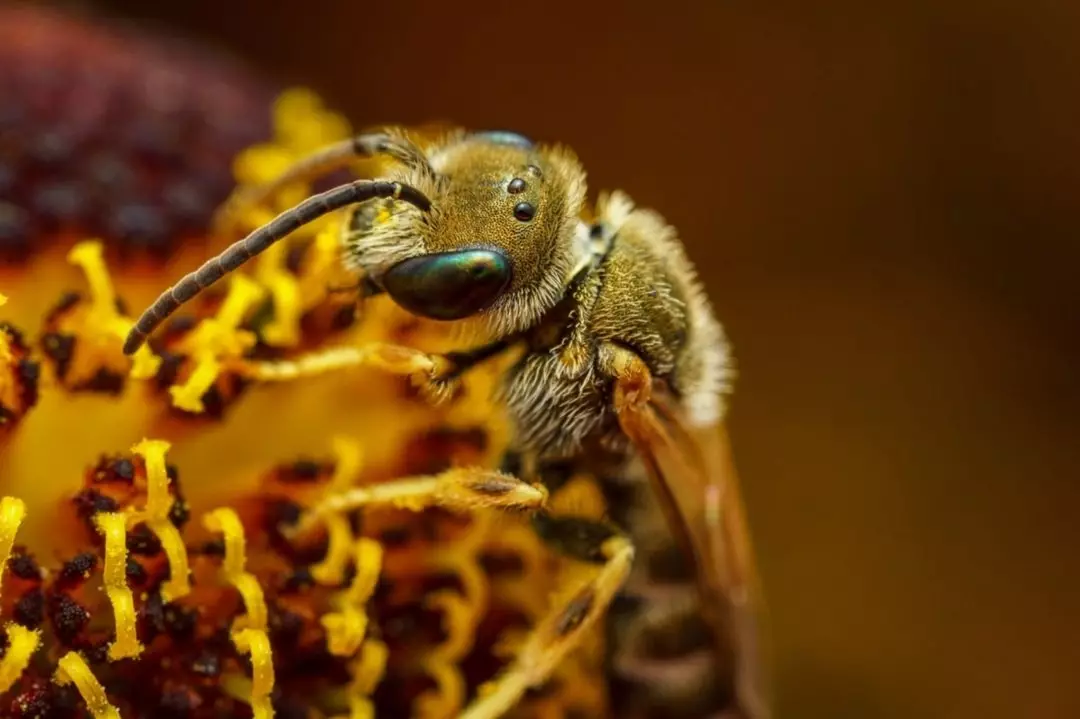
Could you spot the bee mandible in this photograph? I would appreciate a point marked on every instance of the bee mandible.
(623, 368)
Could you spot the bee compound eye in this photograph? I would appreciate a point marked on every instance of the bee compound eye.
(449, 285)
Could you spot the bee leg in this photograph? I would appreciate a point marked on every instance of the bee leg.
(574, 613)
(437, 376)
(459, 489)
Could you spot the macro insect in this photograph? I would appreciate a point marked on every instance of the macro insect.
(624, 369)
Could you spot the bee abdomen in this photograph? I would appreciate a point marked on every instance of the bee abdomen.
(664, 660)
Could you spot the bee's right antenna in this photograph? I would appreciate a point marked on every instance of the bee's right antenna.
(319, 163)
(243, 250)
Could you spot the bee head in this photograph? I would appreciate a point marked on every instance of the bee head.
(499, 243)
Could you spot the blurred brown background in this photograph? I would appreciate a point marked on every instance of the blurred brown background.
(882, 200)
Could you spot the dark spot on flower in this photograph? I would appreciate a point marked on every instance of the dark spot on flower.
(169, 370)
(501, 563)
(61, 205)
(124, 470)
(179, 513)
(89, 502)
(143, 542)
(77, 569)
(344, 317)
(302, 470)
(135, 572)
(179, 622)
(29, 374)
(178, 703)
(68, 618)
(396, 536)
(30, 609)
(59, 348)
(283, 513)
(206, 664)
(16, 229)
(213, 548)
(105, 381)
(23, 565)
(284, 626)
(298, 580)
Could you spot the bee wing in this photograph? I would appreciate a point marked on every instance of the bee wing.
(694, 476)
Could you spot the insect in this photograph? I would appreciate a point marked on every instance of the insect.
(623, 369)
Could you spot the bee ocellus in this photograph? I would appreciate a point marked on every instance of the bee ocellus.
(622, 370)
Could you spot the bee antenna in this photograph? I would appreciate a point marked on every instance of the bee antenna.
(243, 250)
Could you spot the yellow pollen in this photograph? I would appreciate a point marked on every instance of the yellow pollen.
(226, 522)
(216, 339)
(73, 669)
(104, 324)
(113, 526)
(156, 516)
(12, 512)
(22, 643)
(257, 644)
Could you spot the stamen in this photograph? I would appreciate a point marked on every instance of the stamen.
(367, 671)
(217, 339)
(226, 522)
(255, 643)
(12, 512)
(21, 645)
(284, 329)
(347, 627)
(156, 517)
(127, 644)
(104, 321)
(73, 669)
(331, 570)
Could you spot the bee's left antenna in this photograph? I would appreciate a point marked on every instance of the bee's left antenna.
(243, 250)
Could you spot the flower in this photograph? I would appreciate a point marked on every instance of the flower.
(190, 532)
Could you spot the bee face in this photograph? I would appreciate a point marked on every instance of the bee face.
(499, 242)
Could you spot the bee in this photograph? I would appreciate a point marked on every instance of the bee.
(623, 369)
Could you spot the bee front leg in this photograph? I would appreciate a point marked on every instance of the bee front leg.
(573, 614)
(437, 376)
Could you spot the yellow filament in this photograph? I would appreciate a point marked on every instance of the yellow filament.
(367, 671)
(331, 570)
(22, 643)
(158, 499)
(369, 668)
(226, 522)
(179, 582)
(446, 698)
(188, 396)
(348, 460)
(458, 619)
(257, 644)
(216, 338)
(73, 669)
(346, 629)
(284, 329)
(12, 512)
(104, 320)
(156, 516)
(127, 644)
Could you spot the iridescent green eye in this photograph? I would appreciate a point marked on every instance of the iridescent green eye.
(449, 285)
